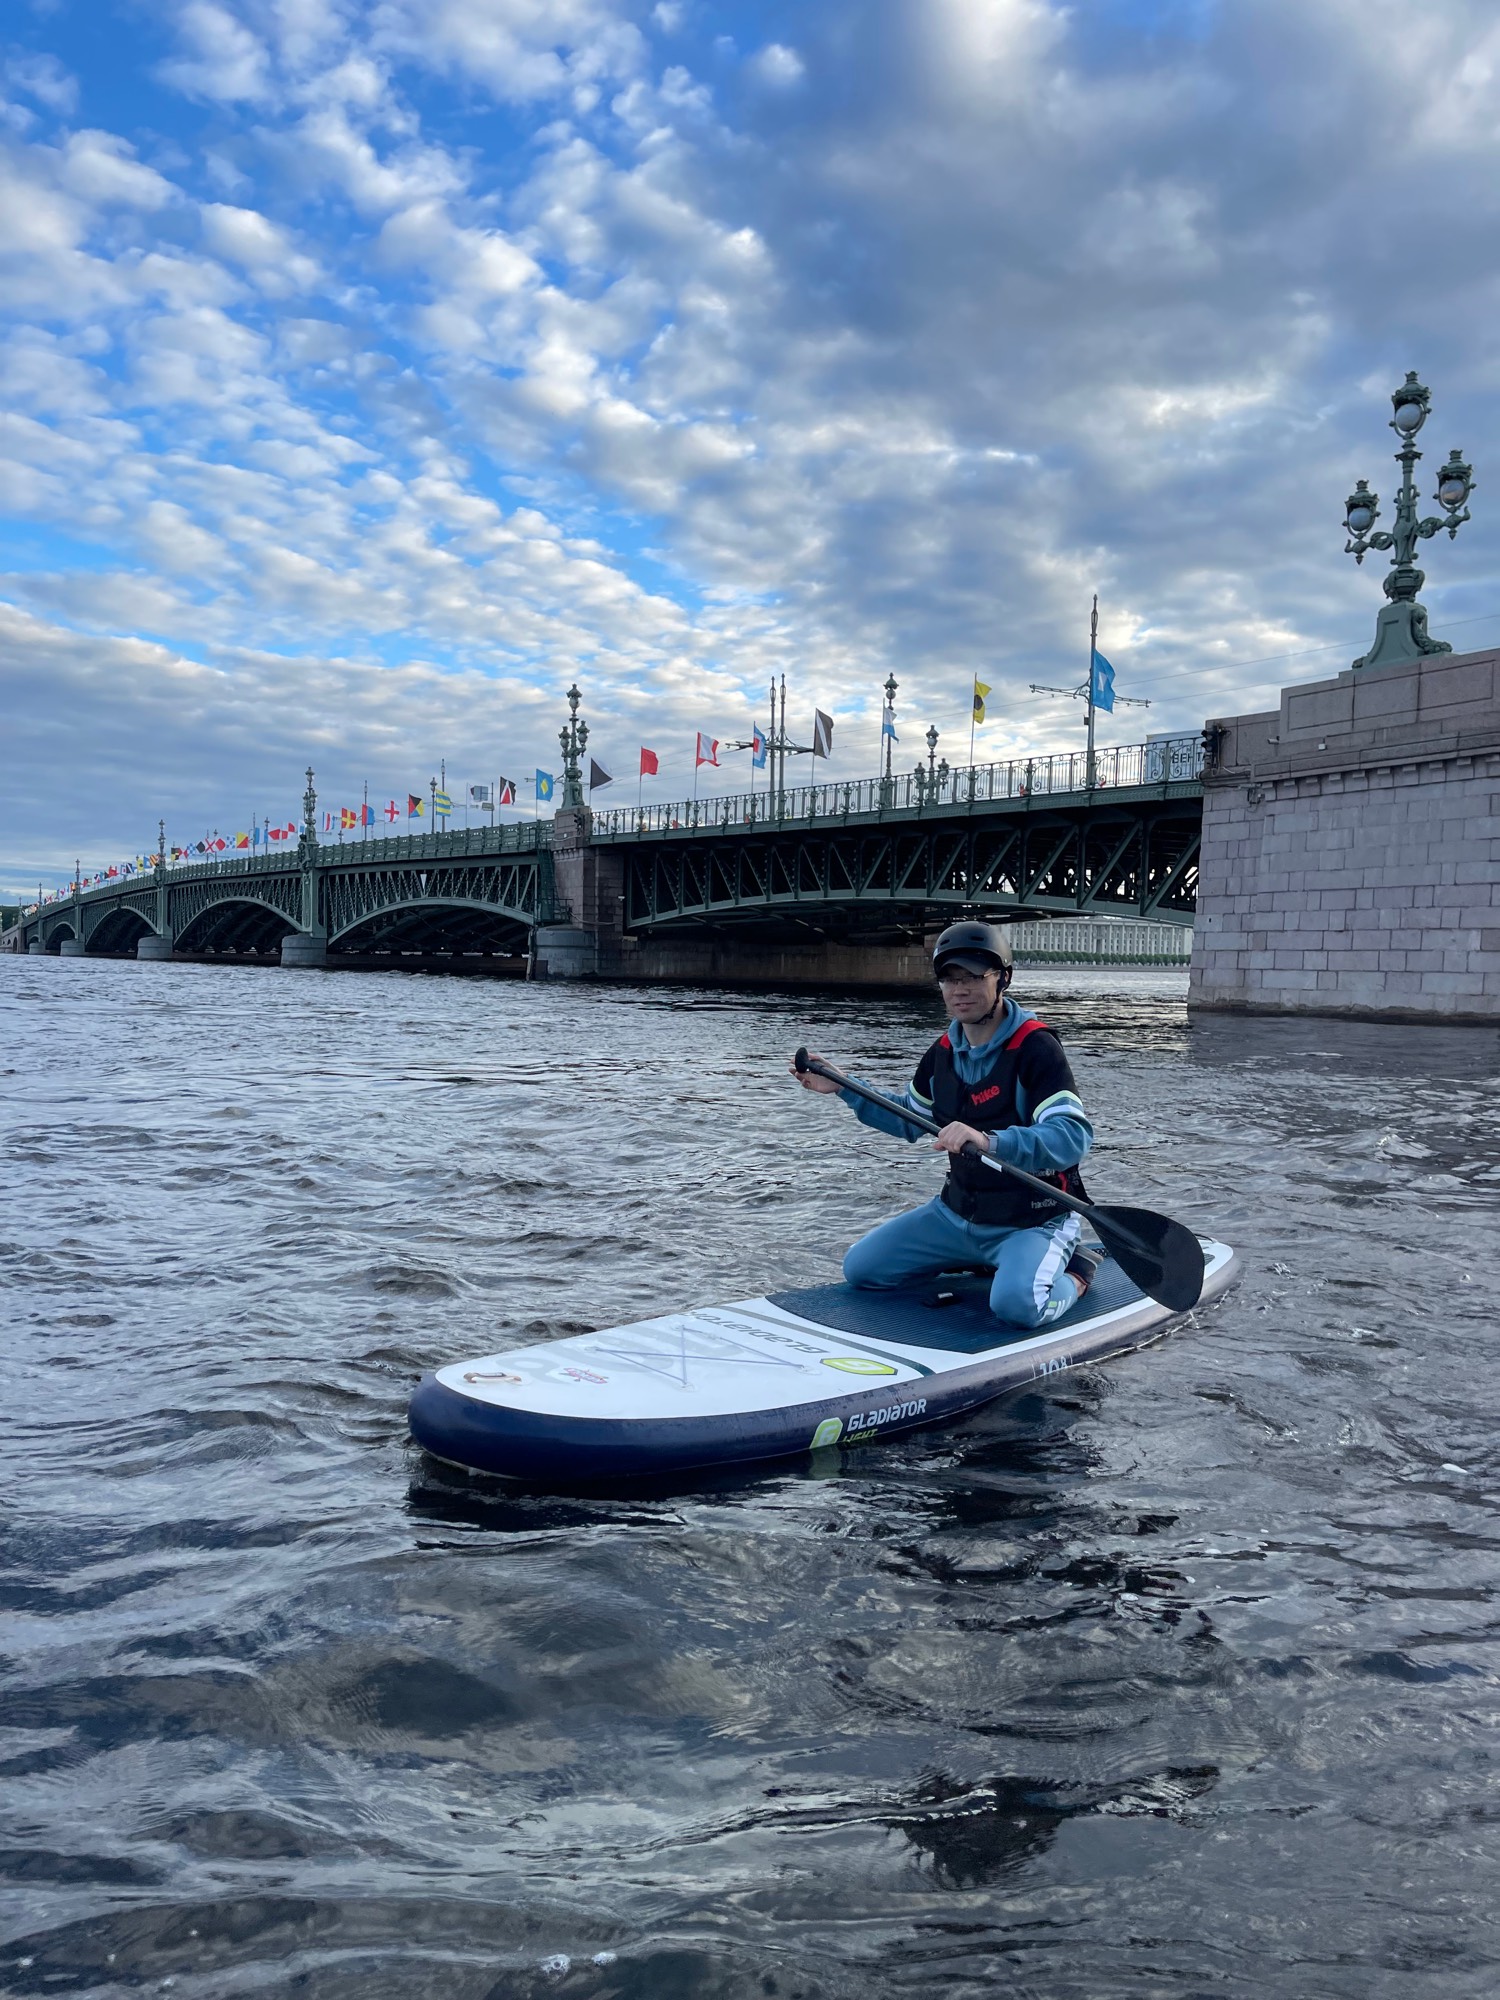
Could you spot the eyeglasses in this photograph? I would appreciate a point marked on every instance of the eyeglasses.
(956, 977)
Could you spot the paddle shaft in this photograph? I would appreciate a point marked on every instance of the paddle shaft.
(924, 1124)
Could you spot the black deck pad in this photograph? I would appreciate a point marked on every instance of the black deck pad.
(962, 1325)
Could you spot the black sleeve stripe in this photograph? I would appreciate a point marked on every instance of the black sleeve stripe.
(921, 1082)
(1044, 1069)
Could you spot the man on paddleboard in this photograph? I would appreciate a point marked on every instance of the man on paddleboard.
(997, 1079)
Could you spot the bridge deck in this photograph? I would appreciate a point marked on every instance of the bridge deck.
(1039, 834)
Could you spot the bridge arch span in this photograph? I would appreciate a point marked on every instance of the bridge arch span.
(452, 926)
(235, 925)
(54, 930)
(118, 932)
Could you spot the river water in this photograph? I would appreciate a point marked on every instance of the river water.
(1177, 1677)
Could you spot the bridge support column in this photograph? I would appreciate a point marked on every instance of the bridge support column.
(1351, 849)
(154, 947)
(301, 950)
(36, 949)
(590, 881)
(309, 946)
(562, 951)
(71, 948)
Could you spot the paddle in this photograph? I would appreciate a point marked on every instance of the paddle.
(1159, 1255)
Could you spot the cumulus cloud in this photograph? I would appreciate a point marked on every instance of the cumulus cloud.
(258, 246)
(43, 77)
(102, 168)
(477, 344)
(778, 66)
(221, 59)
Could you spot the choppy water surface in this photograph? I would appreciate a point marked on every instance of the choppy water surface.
(1177, 1678)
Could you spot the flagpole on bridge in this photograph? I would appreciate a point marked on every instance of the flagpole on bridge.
(1093, 671)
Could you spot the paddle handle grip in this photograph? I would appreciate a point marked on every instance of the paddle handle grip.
(803, 1062)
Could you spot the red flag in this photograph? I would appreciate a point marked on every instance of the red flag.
(648, 761)
(347, 817)
(507, 794)
(711, 754)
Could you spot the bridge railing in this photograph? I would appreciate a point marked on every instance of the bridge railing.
(516, 837)
(1176, 760)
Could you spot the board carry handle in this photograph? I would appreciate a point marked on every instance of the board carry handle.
(1161, 1256)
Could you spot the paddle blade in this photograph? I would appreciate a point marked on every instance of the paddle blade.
(1160, 1255)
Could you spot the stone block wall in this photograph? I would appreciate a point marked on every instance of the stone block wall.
(1351, 849)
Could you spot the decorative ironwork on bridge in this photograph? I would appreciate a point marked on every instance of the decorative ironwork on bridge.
(1036, 834)
(883, 856)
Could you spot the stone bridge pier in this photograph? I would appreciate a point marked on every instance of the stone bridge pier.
(589, 883)
(1351, 848)
(594, 944)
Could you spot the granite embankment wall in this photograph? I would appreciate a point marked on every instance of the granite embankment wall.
(1351, 848)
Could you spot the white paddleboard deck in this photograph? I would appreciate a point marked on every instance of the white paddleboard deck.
(767, 1377)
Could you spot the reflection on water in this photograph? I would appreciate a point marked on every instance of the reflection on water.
(1174, 1677)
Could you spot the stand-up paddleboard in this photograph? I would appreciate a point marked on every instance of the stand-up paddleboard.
(769, 1377)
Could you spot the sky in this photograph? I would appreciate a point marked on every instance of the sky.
(371, 372)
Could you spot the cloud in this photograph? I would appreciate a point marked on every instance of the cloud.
(259, 247)
(222, 60)
(519, 51)
(102, 168)
(778, 66)
(44, 78)
(485, 343)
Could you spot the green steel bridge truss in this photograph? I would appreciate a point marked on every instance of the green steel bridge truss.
(877, 858)
(484, 891)
(1102, 855)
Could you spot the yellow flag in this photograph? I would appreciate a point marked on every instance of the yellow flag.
(980, 691)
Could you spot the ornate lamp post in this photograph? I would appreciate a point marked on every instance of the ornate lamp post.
(573, 740)
(888, 737)
(1401, 627)
(931, 781)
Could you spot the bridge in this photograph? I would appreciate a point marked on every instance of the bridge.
(861, 865)
(482, 892)
(1030, 837)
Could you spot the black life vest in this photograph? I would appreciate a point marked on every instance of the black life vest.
(972, 1190)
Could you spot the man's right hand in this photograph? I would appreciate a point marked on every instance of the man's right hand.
(809, 1081)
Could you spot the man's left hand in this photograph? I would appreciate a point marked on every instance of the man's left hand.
(953, 1138)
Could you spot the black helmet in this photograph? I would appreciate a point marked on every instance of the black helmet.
(974, 948)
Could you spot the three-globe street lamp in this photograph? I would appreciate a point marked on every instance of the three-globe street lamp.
(888, 738)
(1401, 626)
(931, 781)
(573, 740)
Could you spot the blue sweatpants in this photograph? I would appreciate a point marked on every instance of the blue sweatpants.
(1030, 1288)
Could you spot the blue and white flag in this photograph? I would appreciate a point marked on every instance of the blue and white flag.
(888, 725)
(1102, 684)
(758, 748)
